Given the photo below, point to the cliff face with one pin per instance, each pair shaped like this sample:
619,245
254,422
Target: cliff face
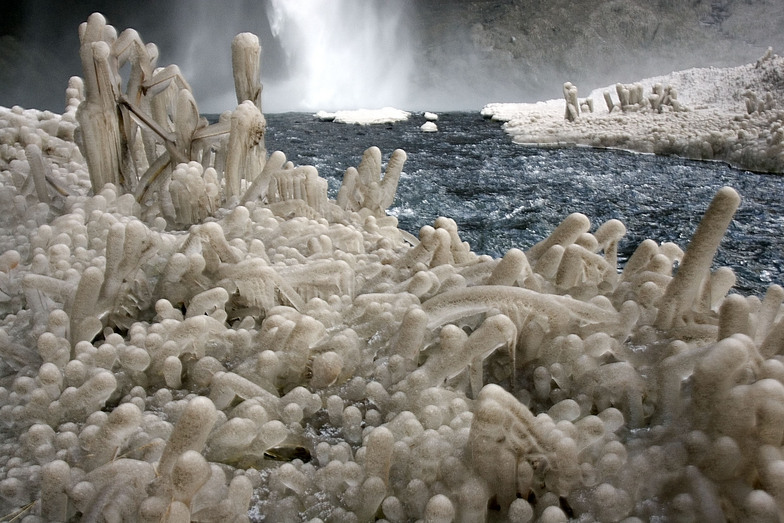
536,45
467,52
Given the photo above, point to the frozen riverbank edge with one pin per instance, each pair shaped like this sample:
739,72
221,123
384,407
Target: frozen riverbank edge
734,115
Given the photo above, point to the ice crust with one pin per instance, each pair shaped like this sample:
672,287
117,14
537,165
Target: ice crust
230,345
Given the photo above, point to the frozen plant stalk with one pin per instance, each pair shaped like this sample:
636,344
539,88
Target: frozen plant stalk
682,290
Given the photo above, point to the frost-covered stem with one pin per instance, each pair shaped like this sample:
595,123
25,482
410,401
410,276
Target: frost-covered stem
55,477
258,189
509,268
572,104
82,313
190,432
767,314
246,65
369,167
347,195
565,234
391,178
247,130
124,249
683,288
98,114
38,171
186,121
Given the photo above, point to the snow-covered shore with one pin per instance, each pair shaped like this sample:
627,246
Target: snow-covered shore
735,115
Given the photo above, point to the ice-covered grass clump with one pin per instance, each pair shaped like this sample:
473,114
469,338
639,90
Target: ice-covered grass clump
228,344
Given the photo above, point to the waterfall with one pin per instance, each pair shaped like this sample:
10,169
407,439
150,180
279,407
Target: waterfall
342,54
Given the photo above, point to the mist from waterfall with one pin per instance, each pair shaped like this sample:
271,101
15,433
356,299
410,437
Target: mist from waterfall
410,54
342,54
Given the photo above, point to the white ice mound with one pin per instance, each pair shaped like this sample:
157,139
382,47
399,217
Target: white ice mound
734,115
228,344
365,116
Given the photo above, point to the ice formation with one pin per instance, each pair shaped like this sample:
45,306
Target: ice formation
733,115
365,116
193,331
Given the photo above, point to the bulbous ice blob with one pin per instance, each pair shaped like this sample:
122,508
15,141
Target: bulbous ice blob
90,396
734,316
760,506
189,473
512,266
122,422
567,409
55,478
520,511
326,369
565,234
379,444
612,504
439,509
393,509
553,514
231,437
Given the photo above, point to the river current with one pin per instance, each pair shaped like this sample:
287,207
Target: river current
504,195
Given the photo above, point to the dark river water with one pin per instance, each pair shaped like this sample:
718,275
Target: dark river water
504,195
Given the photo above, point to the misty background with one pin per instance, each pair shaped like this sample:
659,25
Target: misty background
411,54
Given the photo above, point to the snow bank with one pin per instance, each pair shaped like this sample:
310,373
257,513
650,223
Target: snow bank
734,115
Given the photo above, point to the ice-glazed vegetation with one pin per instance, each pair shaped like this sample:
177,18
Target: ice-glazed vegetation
732,114
193,331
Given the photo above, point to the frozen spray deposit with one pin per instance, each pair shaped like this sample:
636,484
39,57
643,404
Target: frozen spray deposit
192,330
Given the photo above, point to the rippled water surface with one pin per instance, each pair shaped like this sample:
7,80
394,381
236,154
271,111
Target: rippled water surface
504,195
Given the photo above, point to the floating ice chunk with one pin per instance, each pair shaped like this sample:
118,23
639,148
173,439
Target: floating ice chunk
365,116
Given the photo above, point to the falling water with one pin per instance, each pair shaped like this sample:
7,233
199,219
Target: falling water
342,54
